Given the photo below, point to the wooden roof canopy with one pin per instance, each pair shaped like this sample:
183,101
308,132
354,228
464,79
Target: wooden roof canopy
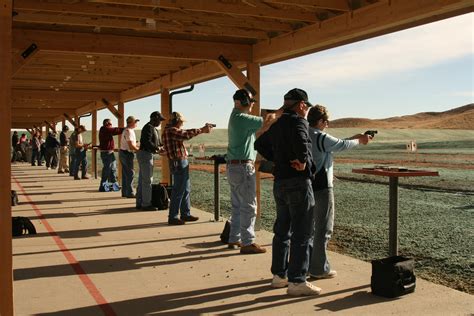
69,56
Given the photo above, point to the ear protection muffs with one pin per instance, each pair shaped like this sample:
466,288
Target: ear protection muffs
243,96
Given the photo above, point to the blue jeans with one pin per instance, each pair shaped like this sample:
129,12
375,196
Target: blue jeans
243,189
180,195
293,228
109,168
145,178
80,161
323,227
72,162
35,157
126,159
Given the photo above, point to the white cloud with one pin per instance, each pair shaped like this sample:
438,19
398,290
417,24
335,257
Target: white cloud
400,52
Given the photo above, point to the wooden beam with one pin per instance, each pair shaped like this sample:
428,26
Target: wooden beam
234,73
112,108
67,117
94,141
34,112
97,9
166,111
64,95
6,266
139,25
337,5
259,10
121,123
50,125
128,45
373,20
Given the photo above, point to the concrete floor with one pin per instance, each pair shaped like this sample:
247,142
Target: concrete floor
94,254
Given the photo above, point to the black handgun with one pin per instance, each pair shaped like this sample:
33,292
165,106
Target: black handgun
212,125
371,133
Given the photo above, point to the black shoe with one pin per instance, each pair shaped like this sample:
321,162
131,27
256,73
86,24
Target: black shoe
77,178
149,208
132,196
189,218
176,221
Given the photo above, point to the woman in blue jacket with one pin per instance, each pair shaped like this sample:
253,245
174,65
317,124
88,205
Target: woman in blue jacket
323,147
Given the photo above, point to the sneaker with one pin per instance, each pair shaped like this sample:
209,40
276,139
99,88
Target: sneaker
234,245
176,221
252,249
61,171
189,218
48,168
302,289
279,282
331,274
115,187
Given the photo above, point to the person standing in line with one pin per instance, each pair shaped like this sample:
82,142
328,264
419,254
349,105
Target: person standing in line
81,157
14,144
51,148
288,145
42,148
149,144
128,145
241,173
173,137
324,145
63,151
35,149
72,152
108,181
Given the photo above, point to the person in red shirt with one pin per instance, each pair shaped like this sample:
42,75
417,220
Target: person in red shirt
173,138
109,163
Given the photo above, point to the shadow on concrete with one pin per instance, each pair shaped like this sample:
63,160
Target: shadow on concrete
84,199
214,298
101,266
361,298
116,245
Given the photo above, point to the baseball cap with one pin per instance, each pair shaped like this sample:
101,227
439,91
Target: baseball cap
243,95
297,95
157,114
131,119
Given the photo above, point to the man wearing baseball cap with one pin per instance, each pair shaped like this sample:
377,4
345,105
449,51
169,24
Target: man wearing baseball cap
288,145
149,144
128,145
108,181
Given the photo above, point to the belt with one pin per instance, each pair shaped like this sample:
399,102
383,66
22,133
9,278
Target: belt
239,162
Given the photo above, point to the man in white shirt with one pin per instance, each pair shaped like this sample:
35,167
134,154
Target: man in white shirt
128,145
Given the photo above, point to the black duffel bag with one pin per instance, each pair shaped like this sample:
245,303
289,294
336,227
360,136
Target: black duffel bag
393,276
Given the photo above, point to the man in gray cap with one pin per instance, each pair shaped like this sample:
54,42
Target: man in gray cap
288,145
128,145
149,144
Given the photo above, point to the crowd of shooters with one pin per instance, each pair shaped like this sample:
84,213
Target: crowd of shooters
293,138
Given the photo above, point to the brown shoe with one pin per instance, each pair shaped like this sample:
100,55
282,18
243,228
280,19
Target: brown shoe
189,218
234,245
252,249
85,177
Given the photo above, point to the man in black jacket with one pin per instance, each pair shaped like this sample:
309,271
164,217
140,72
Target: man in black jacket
51,147
149,144
288,145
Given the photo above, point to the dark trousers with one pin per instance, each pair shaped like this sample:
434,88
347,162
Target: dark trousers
35,157
293,228
126,159
51,157
80,161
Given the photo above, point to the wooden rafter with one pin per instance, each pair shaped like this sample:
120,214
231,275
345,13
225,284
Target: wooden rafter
338,5
131,46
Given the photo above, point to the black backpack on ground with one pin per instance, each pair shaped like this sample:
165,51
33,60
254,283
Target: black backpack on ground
225,233
393,276
22,225
159,196
14,198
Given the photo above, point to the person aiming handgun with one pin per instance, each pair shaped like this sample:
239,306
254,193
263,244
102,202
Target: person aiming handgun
173,137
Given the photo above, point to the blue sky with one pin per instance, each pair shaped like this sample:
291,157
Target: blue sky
427,68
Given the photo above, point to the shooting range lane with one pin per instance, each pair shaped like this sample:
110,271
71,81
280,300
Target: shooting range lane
141,265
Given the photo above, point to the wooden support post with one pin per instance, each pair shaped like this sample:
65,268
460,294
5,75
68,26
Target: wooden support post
63,123
121,123
94,143
253,74
6,276
165,110
77,119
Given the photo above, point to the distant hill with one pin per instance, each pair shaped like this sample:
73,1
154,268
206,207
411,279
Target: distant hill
457,118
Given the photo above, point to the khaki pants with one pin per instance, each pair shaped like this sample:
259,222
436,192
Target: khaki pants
64,159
